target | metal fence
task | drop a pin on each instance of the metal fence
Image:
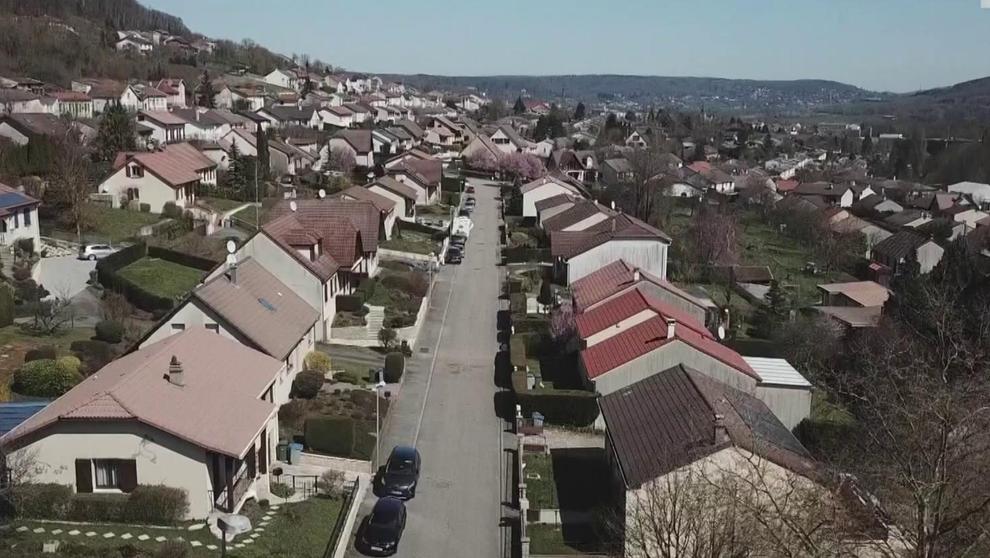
(307, 485)
(338, 526)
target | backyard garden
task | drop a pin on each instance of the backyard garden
(398, 287)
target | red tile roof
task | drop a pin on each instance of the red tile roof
(331, 218)
(617, 277)
(629, 304)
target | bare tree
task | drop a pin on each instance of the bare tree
(341, 160)
(714, 235)
(646, 166)
(71, 184)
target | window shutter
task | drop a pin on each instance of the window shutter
(127, 469)
(263, 453)
(84, 476)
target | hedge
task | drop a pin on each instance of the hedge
(44, 378)
(6, 305)
(517, 304)
(522, 254)
(517, 351)
(349, 303)
(307, 384)
(533, 341)
(395, 365)
(109, 331)
(146, 504)
(94, 354)
(106, 270)
(528, 324)
(564, 407)
(181, 258)
(340, 436)
(43, 352)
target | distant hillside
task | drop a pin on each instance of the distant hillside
(712, 92)
(58, 40)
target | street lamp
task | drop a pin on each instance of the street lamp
(378, 422)
(232, 524)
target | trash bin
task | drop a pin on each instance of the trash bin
(295, 453)
(282, 452)
(537, 420)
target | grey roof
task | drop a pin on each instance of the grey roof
(290, 113)
(899, 245)
(777, 372)
(260, 307)
(668, 420)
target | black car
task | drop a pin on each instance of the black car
(454, 255)
(383, 528)
(464, 213)
(401, 473)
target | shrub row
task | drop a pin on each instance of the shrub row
(45, 378)
(565, 407)
(349, 303)
(395, 365)
(6, 305)
(146, 504)
(517, 304)
(94, 354)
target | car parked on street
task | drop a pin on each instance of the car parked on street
(454, 255)
(401, 473)
(383, 528)
(469, 189)
(95, 251)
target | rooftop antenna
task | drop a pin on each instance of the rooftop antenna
(232, 261)
(292, 206)
(322, 193)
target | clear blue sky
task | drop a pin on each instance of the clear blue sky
(895, 45)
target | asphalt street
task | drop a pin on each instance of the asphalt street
(447, 408)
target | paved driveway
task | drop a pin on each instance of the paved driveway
(447, 409)
(64, 276)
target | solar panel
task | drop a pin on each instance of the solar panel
(12, 198)
(13, 414)
(268, 305)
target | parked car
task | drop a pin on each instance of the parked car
(383, 528)
(469, 189)
(401, 473)
(458, 241)
(470, 203)
(95, 251)
(454, 255)
(464, 213)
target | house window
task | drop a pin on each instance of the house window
(134, 171)
(17, 221)
(27, 217)
(178, 327)
(213, 327)
(106, 473)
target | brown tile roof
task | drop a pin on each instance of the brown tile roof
(39, 124)
(70, 96)
(582, 209)
(266, 311)
(864, 293)
(898, 245)
(393, 185)
(430, 169)
(668, 420)
(554, 201)
(360, 140)
(220, 375)
(331, 218)
(177, 164)
(290, 233)
(567, 244)
(384, 205)
(163, 117)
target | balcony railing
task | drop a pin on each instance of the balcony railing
(241, 485)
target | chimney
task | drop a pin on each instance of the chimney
(636, 275)
(720, 432)
(175, 374)
(671, 327)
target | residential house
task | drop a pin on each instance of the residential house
(246, 141)
(362, 113)
(282, 78)
(411, 155)
(833, 194)
(138, 96)
(415, 130)
(338, 117)
(17, 101)
(103, 92)
(162, 127)
(18, 217)
(209, 124)
(247, 303)
(423, 175)
(542, 188)
(481, 148)
(74, 104)
(909, 218)
(383, 144)
(579, 165)
(357, 143)
(617, 171)
(547, 208)
(242, 96)
(976, 191)
(619, 278)
(623, 237)
(854, 304)
(636, 140)
(896, 250)
(508, 140)
(155, 178)
(386, 206)
(287, 159)
(784, 390)
(583, 215)
(282, 116)
(877, 204)
(162, 415)
(404, 196)
(24, 128)
(175, 91)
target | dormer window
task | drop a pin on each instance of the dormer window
(135, 171)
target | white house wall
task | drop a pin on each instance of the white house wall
(648, 255)
(789, 404)
(16, 229)
(545, 191)
(151, 190)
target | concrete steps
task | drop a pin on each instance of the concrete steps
(375, 321)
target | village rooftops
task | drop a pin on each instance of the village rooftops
(615, 278)
(216, 405)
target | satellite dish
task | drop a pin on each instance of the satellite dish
(292, 205)
(721, 332)
(322, 193)
(231, 246)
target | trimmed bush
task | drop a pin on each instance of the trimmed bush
(386, 337)
(157, 504)
(171, 211)
(349, 303)
(318, 362)
(22, 273)
(145, 207)
(292, 413)
(101, 508)
(517, 304)
(25, 245)
(533, 341)
(43, 352)
(307, 384)
(395, 365)
(330, 435)
(109, 331)
(94, 354)
(44, 378)
(282, 490)
(70, 363)
(6, 305)
(41, 501)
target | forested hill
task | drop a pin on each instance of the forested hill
(118, 14)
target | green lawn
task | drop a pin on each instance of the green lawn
(411, 241)
(299, 529)
(219, 204)
(109, 225)
(15, 343)
(550, 539)
(162, 277)
(542, 492)
(354, 370)
(435, 210)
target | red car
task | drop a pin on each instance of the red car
(469, 189)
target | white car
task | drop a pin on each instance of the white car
(95, 251)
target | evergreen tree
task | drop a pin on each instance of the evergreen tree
(579, 111)
(264, 158)
(772, 314)
(307, 86)
(519, 107)
(205, 95)
(867, 147)
(116, 133)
